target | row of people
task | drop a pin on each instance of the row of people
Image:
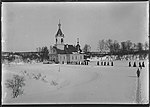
(105, 63)
(78, 63)
(141, 64)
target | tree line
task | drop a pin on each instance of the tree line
(109, 46)
(43, 52)
(114, 47)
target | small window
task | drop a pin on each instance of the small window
(61, 40)
(60, 57)
(56, 40)
(76, 57)
(80, 57)
(64, 57)
(72, 57)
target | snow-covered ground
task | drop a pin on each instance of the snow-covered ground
(78, 83)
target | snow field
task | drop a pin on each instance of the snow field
(78, 83)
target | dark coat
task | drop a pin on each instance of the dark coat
(138, 73)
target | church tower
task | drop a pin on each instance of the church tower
(59, 37)
(78, 46)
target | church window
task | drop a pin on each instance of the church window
(64, 57)
(80, 57)
(76, 57)
(61, 40)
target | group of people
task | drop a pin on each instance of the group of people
(141, 64)
(105, 63)
(78, 63)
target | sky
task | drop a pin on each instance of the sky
(27, 26)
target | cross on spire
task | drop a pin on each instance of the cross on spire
(77, 40)
(59, 24)
(59, 32)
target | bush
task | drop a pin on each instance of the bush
(16, 84)
(54, 83)
(37, 77)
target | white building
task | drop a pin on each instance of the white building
(64, 53)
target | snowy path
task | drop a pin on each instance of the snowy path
(81, 84)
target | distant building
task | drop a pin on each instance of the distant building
(64, 53)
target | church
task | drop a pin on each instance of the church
(65, 53)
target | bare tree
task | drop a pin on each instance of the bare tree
(128, 45)
(146, 46)
(16, 85)
(45, 52)
(116, 46)
(101, 45)
(51, 49)
(123, 47)
(139, 47)
(87, 48)
(109, 44)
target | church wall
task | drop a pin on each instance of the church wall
(68, 57)
(62, 58)
(60, 46)
(59, 40)
(53, 57)
(76, 57)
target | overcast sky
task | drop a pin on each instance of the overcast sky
(27, 26)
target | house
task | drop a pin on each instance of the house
(65, 53)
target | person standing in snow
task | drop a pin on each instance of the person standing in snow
(143, 65)
(134, 65)
(129, 64)
(140, 65)
(138, 73)
(97, 62)
(112, 63)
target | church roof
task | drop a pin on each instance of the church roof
(59, 33)
(59, 51)
(68, 49)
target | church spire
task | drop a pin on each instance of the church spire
(77, 40)
(78, 45)
(59, 32)
(59, 38)
(59, 24)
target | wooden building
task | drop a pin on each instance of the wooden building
(65, 53)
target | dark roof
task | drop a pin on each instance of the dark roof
(70, 48)
(59, 32)
(59, 51)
